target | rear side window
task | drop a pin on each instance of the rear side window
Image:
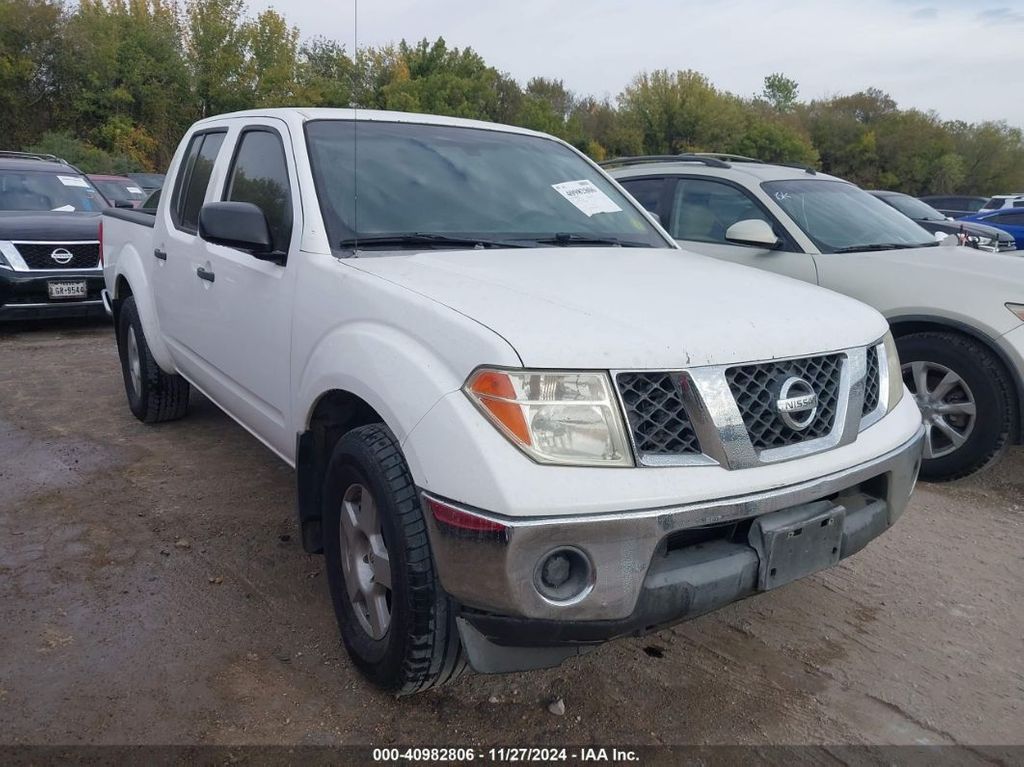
(259, 175)
(702, 211)
(194, 178)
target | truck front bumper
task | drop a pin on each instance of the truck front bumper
(647, 569)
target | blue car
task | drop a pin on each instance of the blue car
(1010, 220)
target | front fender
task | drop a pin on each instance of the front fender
(128, 265)
(397, 373)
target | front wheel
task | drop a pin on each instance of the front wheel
(966, 400)
(396, 621)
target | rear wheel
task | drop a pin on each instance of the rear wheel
(153, 395)
(396, 621)
(966, 400)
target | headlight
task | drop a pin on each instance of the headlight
(895, 373)
(1017, 309)
(554, 417)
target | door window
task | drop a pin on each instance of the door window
(647, 191)
(194, 178)
(1013, 219)
(260, 175)
(703, 210)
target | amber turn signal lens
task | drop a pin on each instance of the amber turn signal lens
(495, 392)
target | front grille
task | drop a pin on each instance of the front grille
(657, 418)
(756, 389)
(39, 255)
(872, 385)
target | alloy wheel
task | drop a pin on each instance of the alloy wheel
(365, 561)
(947, 406)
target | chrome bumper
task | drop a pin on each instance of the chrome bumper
(496, 572)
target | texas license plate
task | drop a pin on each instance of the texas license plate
(67, 289)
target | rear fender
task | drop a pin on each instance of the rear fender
(129, 267)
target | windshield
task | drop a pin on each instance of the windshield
(42, 190)
(120, 190)
(913, 207)
(840, 217)
(426, 184)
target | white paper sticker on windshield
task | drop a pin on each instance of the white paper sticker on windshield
(587, 197)
(74, 181)
(134, 190)
(64, 209)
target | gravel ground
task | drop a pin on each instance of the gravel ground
(153, 590)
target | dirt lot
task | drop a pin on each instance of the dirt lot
(153, 590)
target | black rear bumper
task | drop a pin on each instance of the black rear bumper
(25, 295)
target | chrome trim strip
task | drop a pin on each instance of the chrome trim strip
(883, 388)
(90, 302)
(495, 572)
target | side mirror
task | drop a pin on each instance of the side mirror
(123, 204)
(752, 231)
(239, 225)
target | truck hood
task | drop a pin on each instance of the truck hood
(48, 225)
(971, 227)
(632, 308)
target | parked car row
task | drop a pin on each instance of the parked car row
(970, 233)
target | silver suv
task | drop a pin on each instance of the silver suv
(957, 313)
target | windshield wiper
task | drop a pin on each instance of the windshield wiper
(424, 238)
(570, 238)
(883, 246)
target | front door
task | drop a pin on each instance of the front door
(700, 212)
(247, 335)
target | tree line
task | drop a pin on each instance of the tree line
(113, 84)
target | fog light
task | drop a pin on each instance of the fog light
(564, 575)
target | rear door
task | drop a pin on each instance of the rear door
(246, 335)
(700, 212)
(177, 252)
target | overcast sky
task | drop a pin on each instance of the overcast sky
(962, 58)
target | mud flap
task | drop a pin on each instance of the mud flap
(796, 542)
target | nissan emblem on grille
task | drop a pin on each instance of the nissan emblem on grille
(797, 403)
(62, 255)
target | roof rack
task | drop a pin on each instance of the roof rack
(728, 157)
(709, 160)
(32, 156)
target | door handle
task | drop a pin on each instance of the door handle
(204, 274)
(161, 254)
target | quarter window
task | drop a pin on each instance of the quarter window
(260, 176)
(702, 211)
(190, 188)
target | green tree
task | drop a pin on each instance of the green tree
(780, 92)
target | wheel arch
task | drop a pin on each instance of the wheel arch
(906, 325)
(334, 413)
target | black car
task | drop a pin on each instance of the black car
(49, 239)
(955, 205)
(975, 235)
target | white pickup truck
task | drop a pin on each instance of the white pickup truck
(522, 420)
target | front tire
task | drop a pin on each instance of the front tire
(966, 400)
(153, 395)
(396, 621)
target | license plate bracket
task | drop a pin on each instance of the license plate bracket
(797, 542)
(61, 289)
